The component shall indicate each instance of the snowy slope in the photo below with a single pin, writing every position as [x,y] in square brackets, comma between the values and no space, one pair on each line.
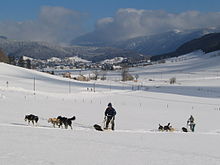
[135,140]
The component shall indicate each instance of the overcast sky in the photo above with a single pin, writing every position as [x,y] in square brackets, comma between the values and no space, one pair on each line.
[60,21]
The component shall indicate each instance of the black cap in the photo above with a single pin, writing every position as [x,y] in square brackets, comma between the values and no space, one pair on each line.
[110,104]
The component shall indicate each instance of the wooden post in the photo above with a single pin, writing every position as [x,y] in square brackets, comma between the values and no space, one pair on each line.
[34,86]
[69,87]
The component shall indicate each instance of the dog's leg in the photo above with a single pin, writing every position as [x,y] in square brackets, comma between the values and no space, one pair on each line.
[57,124]
[36,123]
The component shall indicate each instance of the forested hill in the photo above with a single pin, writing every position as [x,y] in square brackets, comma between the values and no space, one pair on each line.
[207,43]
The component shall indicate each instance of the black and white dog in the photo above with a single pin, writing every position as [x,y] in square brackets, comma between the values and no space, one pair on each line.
[66,121]
[32,118]
[160,128]
[167,127]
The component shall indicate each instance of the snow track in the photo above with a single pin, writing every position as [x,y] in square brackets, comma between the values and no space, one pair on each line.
[81,127]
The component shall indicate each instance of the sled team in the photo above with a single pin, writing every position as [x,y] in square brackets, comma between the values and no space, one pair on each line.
[190,126]
[109,118]
[59,121]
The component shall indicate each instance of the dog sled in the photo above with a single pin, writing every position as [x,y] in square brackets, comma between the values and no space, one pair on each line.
[105,125]
[97,127]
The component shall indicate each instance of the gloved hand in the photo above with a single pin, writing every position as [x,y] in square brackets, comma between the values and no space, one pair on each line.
[105,117]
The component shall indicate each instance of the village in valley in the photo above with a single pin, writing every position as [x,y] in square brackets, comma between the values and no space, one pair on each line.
[66,66]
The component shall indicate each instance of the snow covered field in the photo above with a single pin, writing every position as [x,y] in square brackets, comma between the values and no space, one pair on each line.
[135,140]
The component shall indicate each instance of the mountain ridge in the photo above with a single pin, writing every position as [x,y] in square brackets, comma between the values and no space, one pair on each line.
[43,50]
[207,43]
[153,44]
[134,49]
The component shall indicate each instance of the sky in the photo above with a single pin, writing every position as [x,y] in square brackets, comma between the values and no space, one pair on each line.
[62,20]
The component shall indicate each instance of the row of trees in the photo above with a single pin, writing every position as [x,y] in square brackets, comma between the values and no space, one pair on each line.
[15,61]
[126,76]
[3,57]
[20,61]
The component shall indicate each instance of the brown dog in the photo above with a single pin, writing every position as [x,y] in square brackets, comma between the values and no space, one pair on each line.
[54,121]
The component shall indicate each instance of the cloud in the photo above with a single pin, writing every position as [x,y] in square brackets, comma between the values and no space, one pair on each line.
[54,24]
[61,25]
[129,23]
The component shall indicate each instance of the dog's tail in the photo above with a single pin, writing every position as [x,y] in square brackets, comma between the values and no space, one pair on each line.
[73,118]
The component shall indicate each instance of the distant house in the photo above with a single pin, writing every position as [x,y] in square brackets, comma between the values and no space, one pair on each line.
[67,75]
[117,67]
[106,66]
[82,78]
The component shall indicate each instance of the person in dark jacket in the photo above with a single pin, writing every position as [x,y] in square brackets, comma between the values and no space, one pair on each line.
[110,116]
[191,123]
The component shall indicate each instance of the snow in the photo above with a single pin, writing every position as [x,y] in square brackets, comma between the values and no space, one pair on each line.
[113,61]
[54,59]
[27,58]
[139,112]
[77,59]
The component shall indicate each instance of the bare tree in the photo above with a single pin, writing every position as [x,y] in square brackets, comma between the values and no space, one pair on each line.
[103,73]
[96,74]
[136,77]
[124,73]
[173,80]
[126,76]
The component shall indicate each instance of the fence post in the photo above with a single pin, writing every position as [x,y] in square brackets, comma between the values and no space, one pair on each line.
[34,85]
[69,87]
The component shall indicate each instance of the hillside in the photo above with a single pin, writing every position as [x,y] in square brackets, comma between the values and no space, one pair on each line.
[139,112]
[148,45]
[207,43]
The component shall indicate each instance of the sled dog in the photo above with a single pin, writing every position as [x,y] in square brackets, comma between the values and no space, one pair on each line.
[31,118]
